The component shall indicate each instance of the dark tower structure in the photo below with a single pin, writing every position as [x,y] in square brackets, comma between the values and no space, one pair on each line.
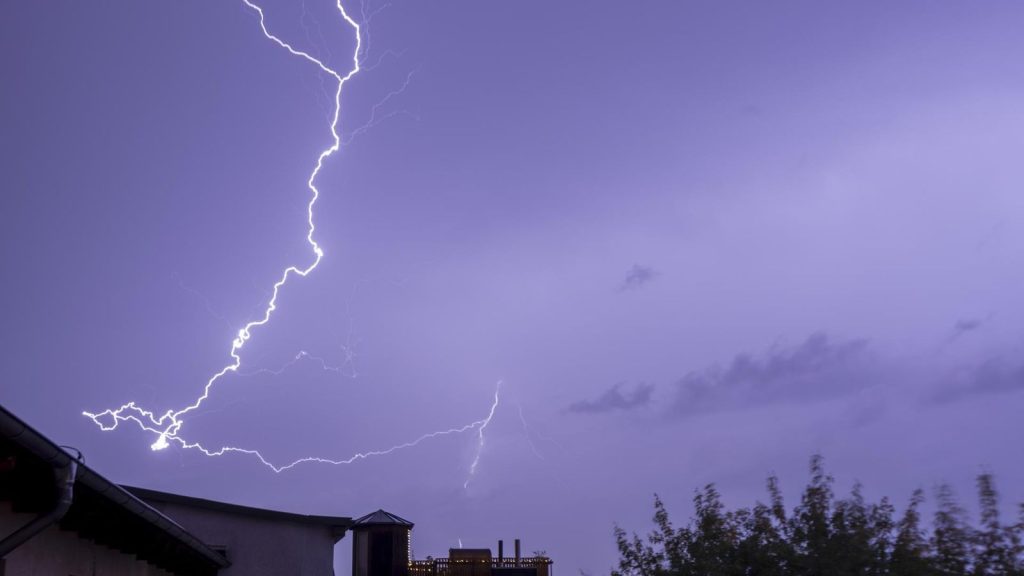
[380,545]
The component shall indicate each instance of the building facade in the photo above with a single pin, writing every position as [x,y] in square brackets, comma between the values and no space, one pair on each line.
[59,517]
[257,542]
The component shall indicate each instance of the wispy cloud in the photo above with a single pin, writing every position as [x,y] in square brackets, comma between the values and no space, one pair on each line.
[637,276]
[614,399]
[964,326]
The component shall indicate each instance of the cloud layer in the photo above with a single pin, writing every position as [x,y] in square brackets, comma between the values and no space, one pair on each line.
[818,368]
[613,399]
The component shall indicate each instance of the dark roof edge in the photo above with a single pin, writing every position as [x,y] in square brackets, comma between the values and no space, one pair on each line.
[469,550]
[390,520]
[342,522]
[18,431]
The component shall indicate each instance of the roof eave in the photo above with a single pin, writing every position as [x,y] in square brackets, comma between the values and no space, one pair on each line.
[16,430]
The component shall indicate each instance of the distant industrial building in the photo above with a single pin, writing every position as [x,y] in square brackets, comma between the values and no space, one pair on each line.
[59,517]
[382,543]
[480,562]
[382,546]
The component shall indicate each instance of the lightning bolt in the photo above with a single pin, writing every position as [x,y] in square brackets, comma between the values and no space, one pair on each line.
[322,92]
[206,302]
[302,355]
[367,19]
[374,119]
[480,437]
[478,425]
[526,432]
[380,59]
[169,423]
[167,426]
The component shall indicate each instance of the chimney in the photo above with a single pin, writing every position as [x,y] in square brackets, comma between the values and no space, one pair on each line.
[501,551]
[517,552]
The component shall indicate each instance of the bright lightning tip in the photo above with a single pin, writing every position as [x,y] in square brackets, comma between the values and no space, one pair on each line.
[160,443]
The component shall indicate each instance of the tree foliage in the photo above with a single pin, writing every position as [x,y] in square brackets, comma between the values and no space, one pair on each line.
[826,536]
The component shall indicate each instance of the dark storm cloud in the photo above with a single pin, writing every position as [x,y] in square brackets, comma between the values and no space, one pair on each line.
[994,376]
[613,399]
[637,276]
[818,368]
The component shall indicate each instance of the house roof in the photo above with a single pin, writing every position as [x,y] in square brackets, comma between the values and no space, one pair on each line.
[337,523]
[100,511]
[381,518]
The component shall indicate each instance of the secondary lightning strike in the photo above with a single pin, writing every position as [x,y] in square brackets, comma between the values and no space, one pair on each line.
[374,120]
[302,355]
[526,432]
[479,425]
[367,18]
[169,424]
[206,302]
[380,59]
[347,350]
[480,437]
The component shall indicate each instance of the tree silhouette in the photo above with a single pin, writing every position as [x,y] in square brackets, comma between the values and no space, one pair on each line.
[823,536]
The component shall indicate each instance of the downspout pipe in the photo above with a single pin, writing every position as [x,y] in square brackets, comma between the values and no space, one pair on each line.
[64,477]
[16,431]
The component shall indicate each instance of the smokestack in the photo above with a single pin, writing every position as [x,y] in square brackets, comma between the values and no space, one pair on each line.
[517,552]
[501,551]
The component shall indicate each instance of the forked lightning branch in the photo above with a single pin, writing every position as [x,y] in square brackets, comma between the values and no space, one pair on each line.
[166,427]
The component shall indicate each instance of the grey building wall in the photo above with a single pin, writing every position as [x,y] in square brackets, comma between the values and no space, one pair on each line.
[259,546]
[56,552]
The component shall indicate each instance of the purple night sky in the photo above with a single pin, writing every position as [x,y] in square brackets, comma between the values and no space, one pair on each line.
[697,241]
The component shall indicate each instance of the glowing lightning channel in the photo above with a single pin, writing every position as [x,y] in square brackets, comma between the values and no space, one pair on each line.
[374,119]
[479,425]
[526,432]
[169,424]
[319,360]
[480,437]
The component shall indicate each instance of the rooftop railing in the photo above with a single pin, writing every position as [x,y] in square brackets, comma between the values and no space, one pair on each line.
[477,567]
